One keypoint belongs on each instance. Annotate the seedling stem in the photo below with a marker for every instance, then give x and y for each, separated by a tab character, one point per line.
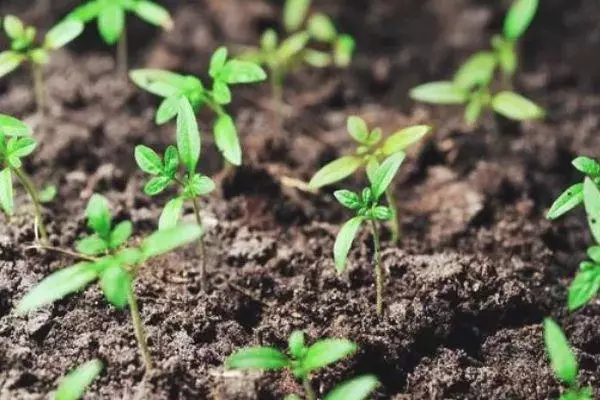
201	247
308	390
138	327
378	271
38	86
33	194
122	54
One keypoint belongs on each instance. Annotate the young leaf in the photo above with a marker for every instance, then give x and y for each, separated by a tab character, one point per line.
478	70
591	199
358	129
385	173
98	214
321	28
188	135
297	345
594	253
74	385
473	110
562	359
58	285
171	160
442	92
157	185
382	213
21	146
514	106
292	46
404	138
355	389
148	160
153	13
120	234
111	22
6	192
86	12
587	165
519	18
13	27
168	109
115	282
92	245
170	214
568	200
343	242
201	185
294	14
506	54
236	71
9	61
343	49
257	358
63	33
166	240
227	140
316	58
159	82
347	199
335	171
13	127
583	288
217	61
326	352
48	194
221	92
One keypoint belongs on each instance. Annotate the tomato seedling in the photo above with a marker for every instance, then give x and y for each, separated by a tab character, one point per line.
368	210
108	260
110	16
74	385
302	360
370	151
24	48
224	73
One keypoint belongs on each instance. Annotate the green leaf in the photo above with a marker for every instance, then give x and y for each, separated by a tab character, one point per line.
562	359
325	352
268	40
321	28
404	138
129	257
257	358
292	46
9	61
236	71
442	92
217	61
13	27
343	242
226	139
21	146
153	13
74	385
168	109
591	199
335	171
48	194
385	173
188	135
58	285
39	56
148	160
473	110
170	214
111	22
63	33
200	185
171	160
514	106
344	50
120	234
296	345
294	14
358	129
506	54
382	213
583	288
98	214
157	185
519	18
166	240
86	12
355	389
159	82
594	253
13	127
115	282
568	200
6	192
348	199
316	58
91	245
587	165
221	92
478	70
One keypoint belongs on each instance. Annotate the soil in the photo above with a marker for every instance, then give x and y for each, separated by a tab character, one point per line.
479	267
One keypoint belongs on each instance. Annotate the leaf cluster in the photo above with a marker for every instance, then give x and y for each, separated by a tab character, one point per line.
110	16
173	87
23	45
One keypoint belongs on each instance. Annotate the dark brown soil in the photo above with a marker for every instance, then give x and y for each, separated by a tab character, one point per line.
479	269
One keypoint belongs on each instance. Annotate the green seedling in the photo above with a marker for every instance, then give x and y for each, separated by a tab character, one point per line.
282	56
473	84
74	385
174	87
302	361
25	48
563	362
370	151
15	144
368	210
165	172
358	388
107	259
110	16
573	196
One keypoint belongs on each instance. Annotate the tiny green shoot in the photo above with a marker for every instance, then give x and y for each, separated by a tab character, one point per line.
74	385
173	87
165	172
302	360
111	16
25	48
370	151
368	210
107	259
563	362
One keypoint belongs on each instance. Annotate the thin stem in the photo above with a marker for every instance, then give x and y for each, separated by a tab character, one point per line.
308	390
138	327
277	94
378	271
33	194
67	252
122	54
39	90
201	247
396	226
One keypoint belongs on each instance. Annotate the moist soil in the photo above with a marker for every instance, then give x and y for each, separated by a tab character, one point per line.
479	267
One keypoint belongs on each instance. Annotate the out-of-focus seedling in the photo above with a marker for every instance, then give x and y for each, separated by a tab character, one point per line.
165	172
302	361
563	362
109	261
16	143
224	73
74	385
368	210
473	84
25	48
370	151
358	388
282	56
110	15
